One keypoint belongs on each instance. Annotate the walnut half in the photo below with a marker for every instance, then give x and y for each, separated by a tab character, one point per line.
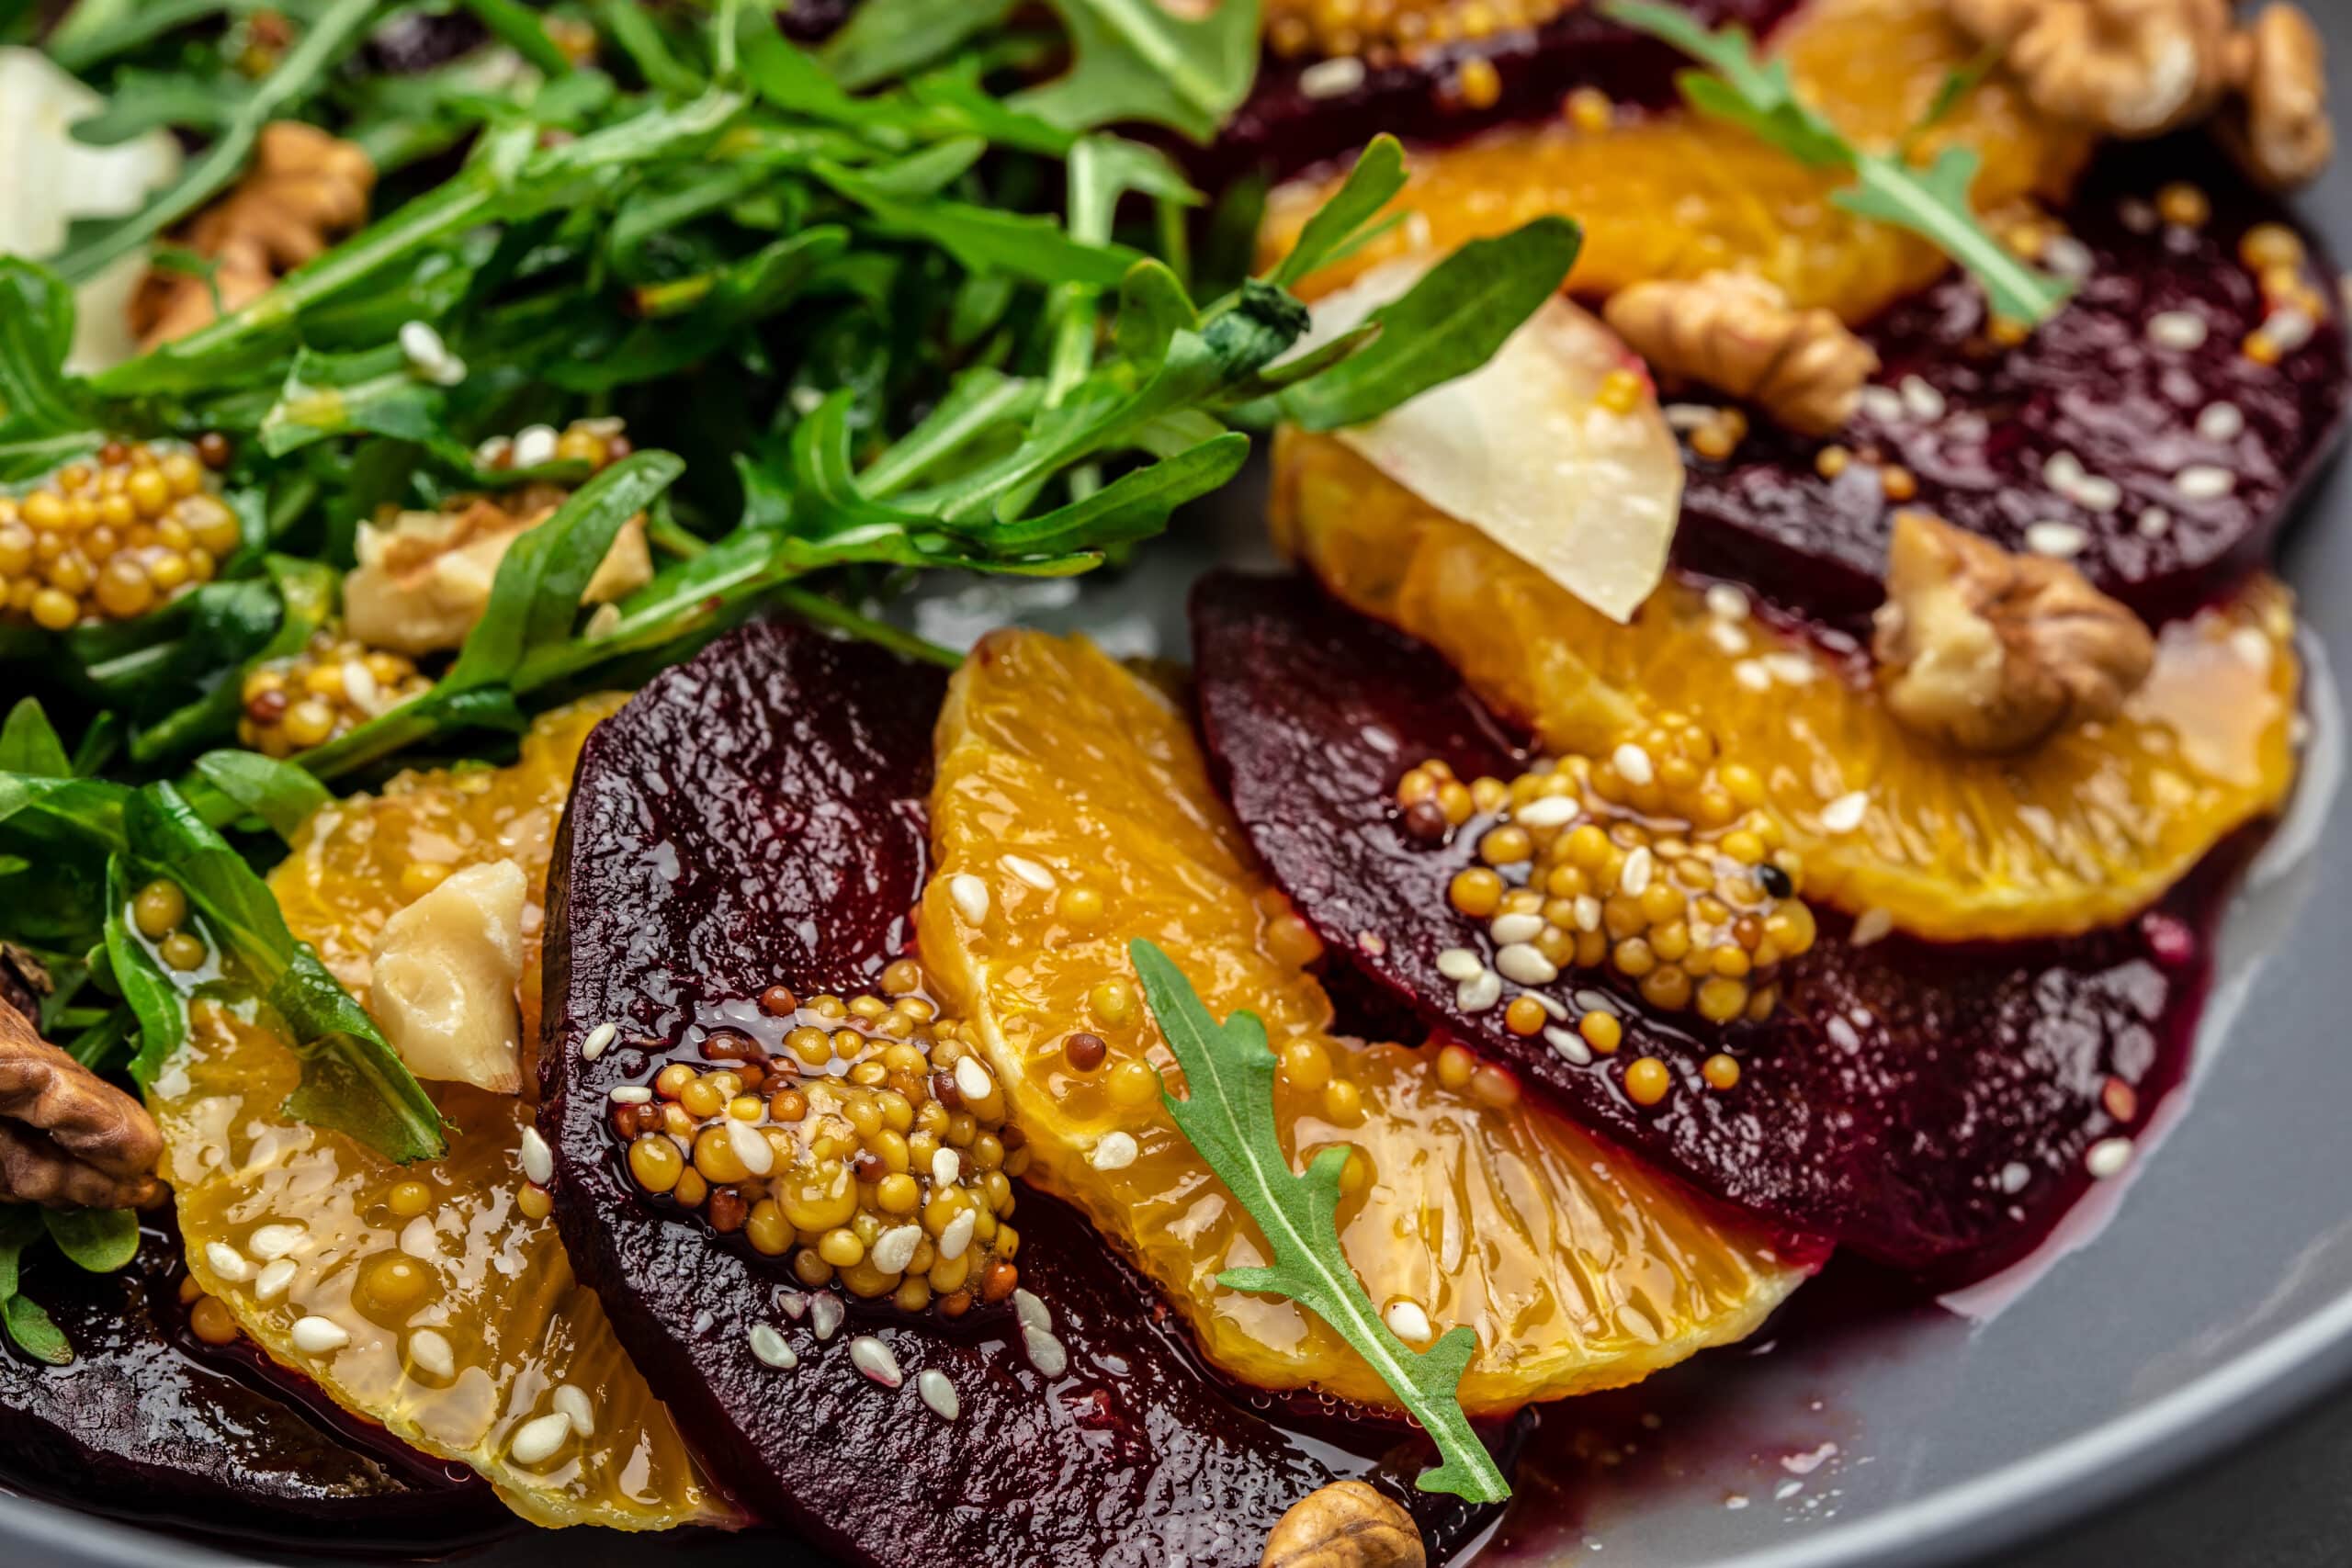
1993	653
1345	1524
68	1138
1736	333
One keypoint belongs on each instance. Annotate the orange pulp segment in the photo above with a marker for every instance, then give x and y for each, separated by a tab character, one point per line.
2084	830
1073	794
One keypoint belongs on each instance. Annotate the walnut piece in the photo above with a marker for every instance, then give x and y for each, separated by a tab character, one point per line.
441	981
2279	129
423	578
1736	333
1344	1525
305	190
68	1138
1993	653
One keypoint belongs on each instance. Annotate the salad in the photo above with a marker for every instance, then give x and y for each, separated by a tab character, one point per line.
534	991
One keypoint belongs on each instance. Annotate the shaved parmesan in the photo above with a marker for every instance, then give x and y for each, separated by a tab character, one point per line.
1524	450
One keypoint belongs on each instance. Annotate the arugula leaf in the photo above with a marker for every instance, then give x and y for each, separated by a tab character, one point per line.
99	1240
280	794
884	39
328	395
1378	176
36	404
27	1325
1138	60
29	745
1761	96
518	27
1229	1115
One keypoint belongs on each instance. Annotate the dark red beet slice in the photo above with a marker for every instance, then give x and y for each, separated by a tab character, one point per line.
755	817
2093	385
1930	1107
153	1425
1285	128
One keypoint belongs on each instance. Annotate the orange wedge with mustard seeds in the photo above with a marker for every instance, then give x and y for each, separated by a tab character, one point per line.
1073	812
2086	829
434	1297
1676	194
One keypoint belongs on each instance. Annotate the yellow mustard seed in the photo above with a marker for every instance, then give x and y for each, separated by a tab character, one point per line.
1647	1081
1721	1072
1602	1031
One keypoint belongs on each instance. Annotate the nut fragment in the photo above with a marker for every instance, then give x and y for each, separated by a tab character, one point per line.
2129	68
1736	333
305	190
68	1138
442	975
1994	653
2279	129
1344	1525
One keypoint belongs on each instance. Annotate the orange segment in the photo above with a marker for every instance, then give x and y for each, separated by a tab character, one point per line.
1676	195
424	1297
2086	831
1073	794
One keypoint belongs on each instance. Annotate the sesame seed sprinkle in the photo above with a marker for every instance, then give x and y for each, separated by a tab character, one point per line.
1047	1353
2204	481
873	1357
1844	814
1922	400
757	1155
315	1336
970	897
1570	1045
599	1038
932	1384
538	1160
1028	870
227	1263
946	1165
1459	964
769	1347
894	1249
1726	603
2221	421
1479	994
272	1282
1551	811
573	1400
2060	541
1884	404
1635	880
972	1081
429	1349
630	1094
1729	641
1871	925
1633	764
1113	1151
2154	523
1509	929
1524	964
275	1240
1408	1322
537	1439
1332	78
2182	330
2107	1158
1032	1312
825	1316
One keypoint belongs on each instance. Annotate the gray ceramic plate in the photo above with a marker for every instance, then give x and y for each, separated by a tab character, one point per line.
2210	1290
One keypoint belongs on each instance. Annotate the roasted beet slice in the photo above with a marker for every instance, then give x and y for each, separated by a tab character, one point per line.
2135	421
1931	1107
753	818
149	1423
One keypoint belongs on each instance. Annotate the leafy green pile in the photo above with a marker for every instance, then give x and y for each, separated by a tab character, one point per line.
100	1240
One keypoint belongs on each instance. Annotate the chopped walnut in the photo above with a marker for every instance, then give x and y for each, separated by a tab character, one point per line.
2129	68
1736	333
1993	653
2279	127
305	190
423	578
1344	1525
68	1138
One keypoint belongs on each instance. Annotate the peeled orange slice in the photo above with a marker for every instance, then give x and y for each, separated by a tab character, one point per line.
1676	195
1073	812
2086	831
426	1297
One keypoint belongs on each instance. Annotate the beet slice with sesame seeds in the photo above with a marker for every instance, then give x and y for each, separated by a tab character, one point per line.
755	817
2133	419
150	1424
1931	1107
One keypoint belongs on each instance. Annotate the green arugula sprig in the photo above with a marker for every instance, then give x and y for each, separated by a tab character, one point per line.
1761	96
1229	1115
99	1240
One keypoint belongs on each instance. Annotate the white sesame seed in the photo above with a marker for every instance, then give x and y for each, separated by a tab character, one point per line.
534	445
2099	494
1479	994
957	1237
2067	257
2289	330
825	1314
970	897
2060	541
273	1281
1921	399
756	1153
1727	602
1332	78
227	1263
2183	329
2015	1175
947	1165
1113	1151
1729	641
873	1357
938	1392
360	685
1790	668
1884	404
1546	811
2062	471
2154	523
629	1094
418	1240
422	345
598	1039
2251	647
2221	421
1844	814
1046	1352
1459	964
1524	964
1752	674
1028	870
274	1241
1509	929
895	1249
972	1081
806	400
1032	1312
1633	763
1570	1044
538	1160
1408	1322
792	1304
450	372
573	1400
2107	1158
1635	880
1688	417
2203	481
429	1349
770	1348
1872	925
537	1441
1559	1009
316	1335
1588	912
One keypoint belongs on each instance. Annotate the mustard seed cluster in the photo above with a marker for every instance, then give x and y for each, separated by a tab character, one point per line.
331	686
1380	32
1656	862
872	1148
115	537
